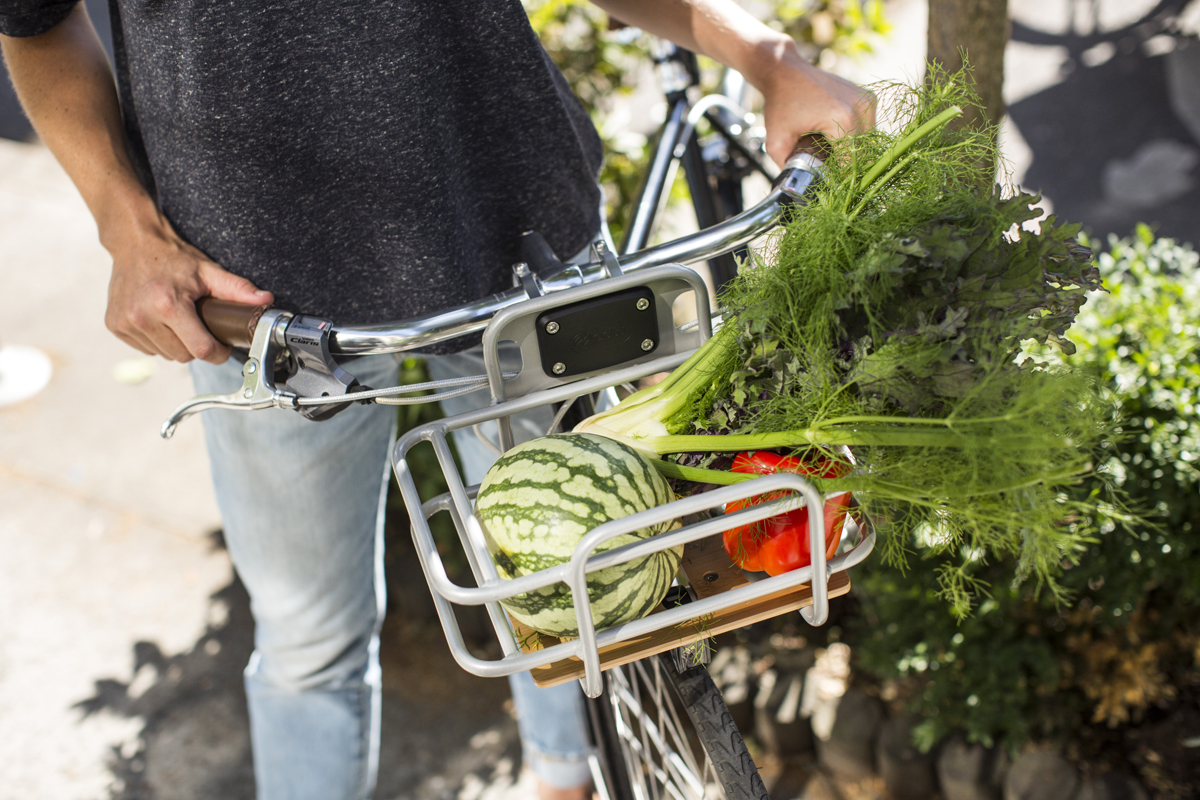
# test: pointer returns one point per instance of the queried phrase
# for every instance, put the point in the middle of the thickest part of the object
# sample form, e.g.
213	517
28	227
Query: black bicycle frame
712	204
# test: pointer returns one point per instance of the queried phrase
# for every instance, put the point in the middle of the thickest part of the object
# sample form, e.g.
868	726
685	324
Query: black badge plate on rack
598	333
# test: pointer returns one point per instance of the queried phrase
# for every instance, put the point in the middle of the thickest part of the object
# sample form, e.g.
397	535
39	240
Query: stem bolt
559	367
647	344
551	327
642	304
247	393
251	367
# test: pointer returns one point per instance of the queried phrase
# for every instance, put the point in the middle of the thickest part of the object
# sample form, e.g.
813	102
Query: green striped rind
618	594
543	496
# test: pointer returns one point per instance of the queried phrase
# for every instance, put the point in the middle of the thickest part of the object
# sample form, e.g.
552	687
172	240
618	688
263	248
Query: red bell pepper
780	544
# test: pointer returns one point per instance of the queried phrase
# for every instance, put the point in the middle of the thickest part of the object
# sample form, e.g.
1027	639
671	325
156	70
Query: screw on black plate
711	576
597	334
643	304
560	368
647	344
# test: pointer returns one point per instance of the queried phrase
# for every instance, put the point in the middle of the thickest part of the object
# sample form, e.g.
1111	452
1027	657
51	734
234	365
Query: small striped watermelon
541	497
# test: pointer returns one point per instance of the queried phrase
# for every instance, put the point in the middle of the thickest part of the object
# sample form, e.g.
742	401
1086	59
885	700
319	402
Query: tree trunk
978	28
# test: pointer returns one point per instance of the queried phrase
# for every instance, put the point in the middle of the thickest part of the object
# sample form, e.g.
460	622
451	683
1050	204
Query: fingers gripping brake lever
311	372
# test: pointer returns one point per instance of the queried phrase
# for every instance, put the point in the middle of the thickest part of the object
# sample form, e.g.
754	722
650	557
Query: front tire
664	733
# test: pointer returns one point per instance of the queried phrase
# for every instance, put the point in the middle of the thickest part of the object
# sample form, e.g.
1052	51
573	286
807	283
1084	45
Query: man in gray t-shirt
359	159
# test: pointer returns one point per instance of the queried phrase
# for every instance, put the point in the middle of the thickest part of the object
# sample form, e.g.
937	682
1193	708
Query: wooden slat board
710	572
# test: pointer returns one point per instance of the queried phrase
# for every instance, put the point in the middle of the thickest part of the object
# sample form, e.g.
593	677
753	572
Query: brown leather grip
813	143
230	323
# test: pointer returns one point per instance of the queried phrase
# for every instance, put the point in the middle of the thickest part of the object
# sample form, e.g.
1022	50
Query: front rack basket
722	598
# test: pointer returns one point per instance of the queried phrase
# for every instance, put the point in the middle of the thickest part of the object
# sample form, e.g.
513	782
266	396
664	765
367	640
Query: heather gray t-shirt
365	160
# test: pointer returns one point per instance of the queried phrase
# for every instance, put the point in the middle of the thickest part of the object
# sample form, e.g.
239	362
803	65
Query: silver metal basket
595	650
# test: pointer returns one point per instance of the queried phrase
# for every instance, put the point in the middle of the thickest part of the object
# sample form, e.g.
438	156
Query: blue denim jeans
302	504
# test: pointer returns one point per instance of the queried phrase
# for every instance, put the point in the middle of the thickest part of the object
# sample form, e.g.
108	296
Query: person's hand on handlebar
801	100
156	280
66	88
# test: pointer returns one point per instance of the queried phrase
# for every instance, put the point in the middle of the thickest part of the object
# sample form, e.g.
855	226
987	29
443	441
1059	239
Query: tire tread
719	735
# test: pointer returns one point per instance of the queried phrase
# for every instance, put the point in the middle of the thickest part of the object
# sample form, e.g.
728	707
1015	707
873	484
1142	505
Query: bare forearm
66	87
64	83
720	29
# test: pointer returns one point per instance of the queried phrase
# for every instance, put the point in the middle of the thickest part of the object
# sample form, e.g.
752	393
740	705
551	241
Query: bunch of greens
885	329
1022	668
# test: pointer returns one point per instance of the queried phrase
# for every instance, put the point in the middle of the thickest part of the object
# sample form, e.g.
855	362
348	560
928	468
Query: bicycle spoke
662	753
655	743
671	760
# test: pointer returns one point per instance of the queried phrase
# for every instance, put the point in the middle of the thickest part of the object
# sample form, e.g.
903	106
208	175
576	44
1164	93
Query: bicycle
659	724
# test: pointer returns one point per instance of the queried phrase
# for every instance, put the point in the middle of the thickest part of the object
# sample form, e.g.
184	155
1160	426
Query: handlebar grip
810	147
230	323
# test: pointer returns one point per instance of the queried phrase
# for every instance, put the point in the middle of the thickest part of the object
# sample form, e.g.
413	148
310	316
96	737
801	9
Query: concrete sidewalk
102	525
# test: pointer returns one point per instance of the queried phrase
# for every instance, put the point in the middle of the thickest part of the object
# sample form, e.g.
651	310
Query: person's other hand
801	100
156	280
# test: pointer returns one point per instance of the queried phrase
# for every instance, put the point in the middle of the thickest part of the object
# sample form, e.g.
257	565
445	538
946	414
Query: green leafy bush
839	27
1023	667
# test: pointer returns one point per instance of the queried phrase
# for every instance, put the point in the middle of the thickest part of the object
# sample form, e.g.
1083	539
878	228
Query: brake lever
258	373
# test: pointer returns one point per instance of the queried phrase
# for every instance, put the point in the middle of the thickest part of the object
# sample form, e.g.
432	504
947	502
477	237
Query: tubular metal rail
491	589
592	651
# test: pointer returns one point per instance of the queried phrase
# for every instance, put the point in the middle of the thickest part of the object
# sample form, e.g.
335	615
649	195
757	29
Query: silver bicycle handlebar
394	337
273	331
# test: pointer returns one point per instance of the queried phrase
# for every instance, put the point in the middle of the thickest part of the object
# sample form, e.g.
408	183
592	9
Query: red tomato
780	544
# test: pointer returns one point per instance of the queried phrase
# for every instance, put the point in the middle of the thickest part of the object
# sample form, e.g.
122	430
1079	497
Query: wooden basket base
710	572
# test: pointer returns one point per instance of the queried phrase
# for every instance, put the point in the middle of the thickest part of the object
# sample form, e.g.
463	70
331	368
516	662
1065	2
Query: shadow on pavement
195	742
1109	147
446	733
